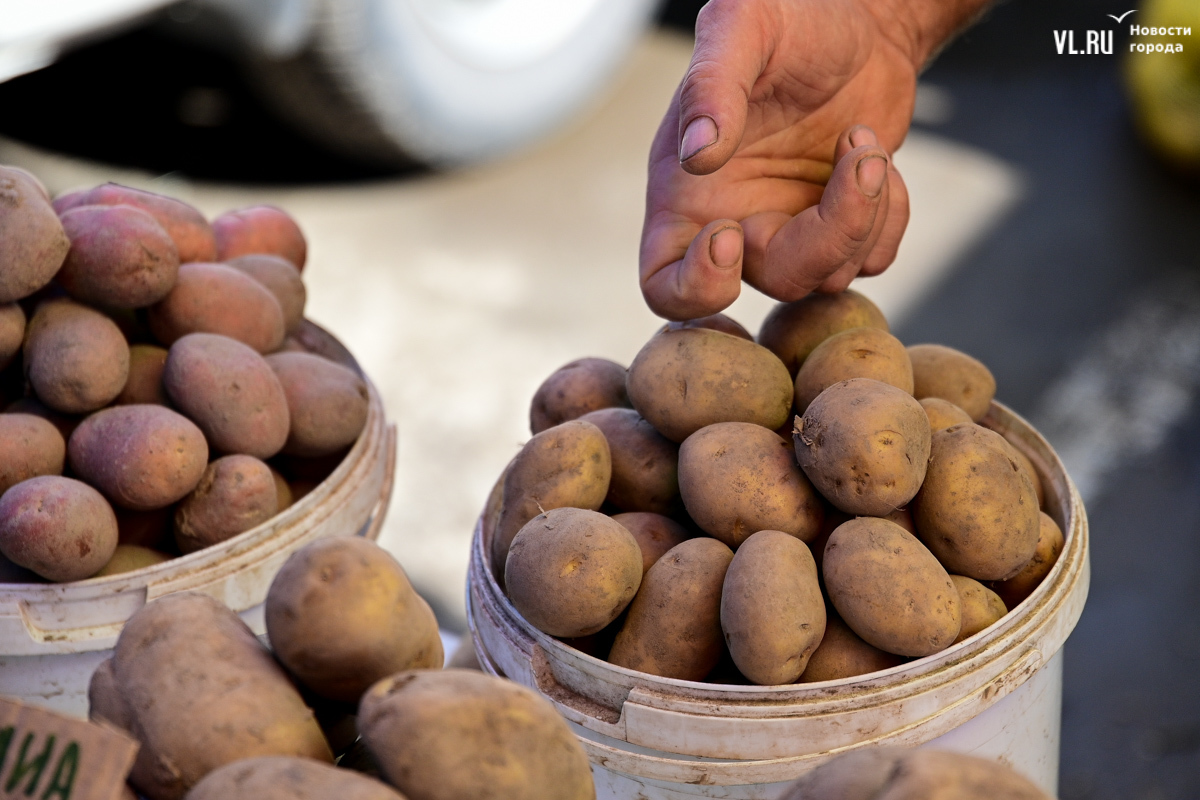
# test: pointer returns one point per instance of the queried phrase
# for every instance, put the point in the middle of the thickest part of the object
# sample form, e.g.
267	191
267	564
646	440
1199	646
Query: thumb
731	52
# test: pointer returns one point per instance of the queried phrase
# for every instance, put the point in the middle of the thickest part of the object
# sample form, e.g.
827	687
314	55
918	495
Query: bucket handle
572	705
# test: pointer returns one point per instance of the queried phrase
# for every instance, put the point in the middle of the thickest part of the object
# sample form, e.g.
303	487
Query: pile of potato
161	389
353	675
818	503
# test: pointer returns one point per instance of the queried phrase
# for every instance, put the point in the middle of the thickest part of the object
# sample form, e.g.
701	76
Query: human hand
773	163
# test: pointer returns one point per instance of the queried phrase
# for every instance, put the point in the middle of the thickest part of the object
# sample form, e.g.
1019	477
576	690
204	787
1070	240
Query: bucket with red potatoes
816	503
161	389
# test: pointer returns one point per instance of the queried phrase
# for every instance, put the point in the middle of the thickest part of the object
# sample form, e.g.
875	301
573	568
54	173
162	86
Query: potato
716	322
230	391
457	733
65	423
105	702
853	353
737	478
570	572
203	692
683	380
141	457
1028	468
843	654
153	529
187	227
1049	547
940	775
32	242
128	557
311	338
857	775
980	606
942	413
342	615
288	778
772	611
235	493
567	465
977	510
645	464
16	173
259	229
327	403
575	389
12	333
864	445
144	386
792	330
889	589
29	446
940	371
673	626
283	491
654	533
76	359
60	528
215	298
282	278
120	257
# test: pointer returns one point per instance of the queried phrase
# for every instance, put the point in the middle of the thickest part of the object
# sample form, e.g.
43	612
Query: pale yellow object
1165	87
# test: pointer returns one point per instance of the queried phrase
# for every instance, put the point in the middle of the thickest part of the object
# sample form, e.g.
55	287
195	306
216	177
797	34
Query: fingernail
725	247
699	134
861	136
872	171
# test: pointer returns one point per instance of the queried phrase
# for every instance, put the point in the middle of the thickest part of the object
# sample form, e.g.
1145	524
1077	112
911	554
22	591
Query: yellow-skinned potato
737	478
567	465
342	615
288	778
865	445
1028	468
772	611
792	330
1049	548
843	654
575	389
128	557
645	464
716	322
942	413
203	692
889	589
854	353
683	380
673	627
570	572
458	733
940	371
977	510
655	534
981	607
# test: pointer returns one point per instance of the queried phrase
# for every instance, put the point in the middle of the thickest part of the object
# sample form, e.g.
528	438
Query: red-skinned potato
76	359
187	227
575	389
12	332
259	229
235	493
145	382
60	528
327	403
32	242
216	298
120	257
29	446
282	278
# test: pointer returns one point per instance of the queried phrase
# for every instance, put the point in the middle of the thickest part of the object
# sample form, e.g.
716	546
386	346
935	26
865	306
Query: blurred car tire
447	82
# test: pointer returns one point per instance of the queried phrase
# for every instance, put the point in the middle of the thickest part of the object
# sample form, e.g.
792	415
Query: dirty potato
977	510
12	332
793	330
342	615
32	241
737	478
686	379
655	534
940	371
575	389
235	493
673	626
59	528
864	445
570	572
128	557
942	413
76	359
1049	547
853	353
327	403
216	298
458	733
259	229
567	465
144	384
772	611
282	278
645	464
29	446
288	778
843	654
981	607
120	257
889	589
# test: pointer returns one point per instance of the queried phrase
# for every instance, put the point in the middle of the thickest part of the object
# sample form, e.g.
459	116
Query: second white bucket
997	694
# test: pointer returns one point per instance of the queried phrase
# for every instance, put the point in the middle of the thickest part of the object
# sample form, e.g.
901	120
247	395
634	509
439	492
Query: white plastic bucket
996	694
52	636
